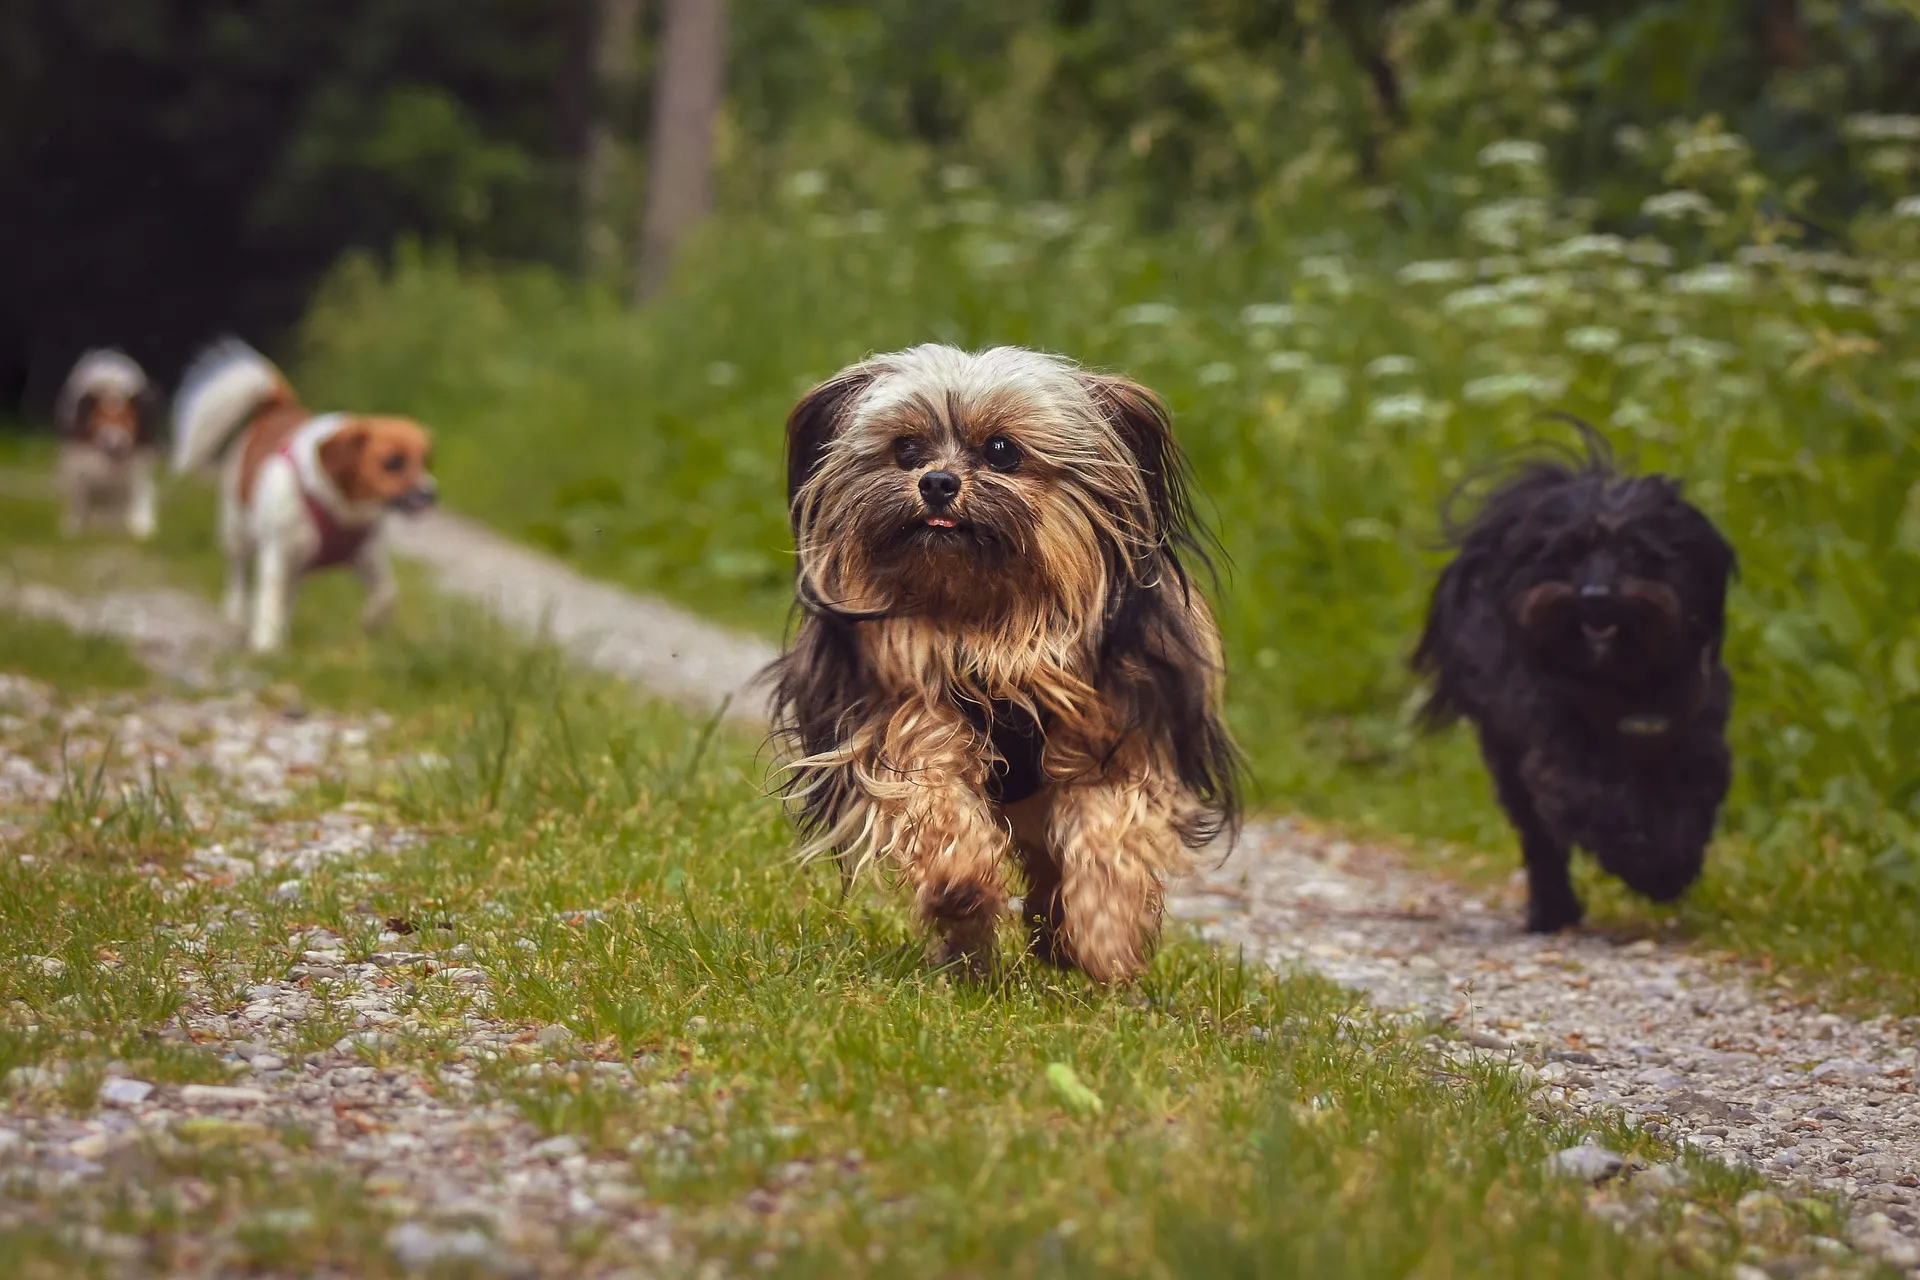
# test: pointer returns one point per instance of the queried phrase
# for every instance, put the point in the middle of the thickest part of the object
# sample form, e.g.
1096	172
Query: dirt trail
1684	1044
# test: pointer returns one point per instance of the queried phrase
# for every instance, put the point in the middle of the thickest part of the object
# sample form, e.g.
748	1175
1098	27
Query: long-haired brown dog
1001	651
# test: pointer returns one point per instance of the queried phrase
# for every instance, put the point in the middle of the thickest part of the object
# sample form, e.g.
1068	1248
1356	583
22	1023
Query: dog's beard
1629	634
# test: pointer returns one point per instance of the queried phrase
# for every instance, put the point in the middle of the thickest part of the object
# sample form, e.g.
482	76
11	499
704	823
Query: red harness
340	543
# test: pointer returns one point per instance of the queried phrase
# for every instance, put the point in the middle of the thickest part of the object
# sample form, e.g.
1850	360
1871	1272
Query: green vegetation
808	1097
1332	385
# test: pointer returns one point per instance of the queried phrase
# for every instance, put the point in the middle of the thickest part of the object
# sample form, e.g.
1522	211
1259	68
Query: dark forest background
170	169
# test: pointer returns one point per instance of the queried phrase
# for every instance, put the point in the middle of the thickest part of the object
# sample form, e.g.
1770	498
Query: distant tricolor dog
299	491
109	420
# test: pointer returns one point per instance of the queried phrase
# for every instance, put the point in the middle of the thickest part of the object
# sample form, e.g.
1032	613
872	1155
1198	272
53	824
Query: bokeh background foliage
1359	246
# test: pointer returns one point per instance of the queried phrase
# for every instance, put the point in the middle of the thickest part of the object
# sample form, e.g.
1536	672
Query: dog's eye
1001	453
908	453
395	463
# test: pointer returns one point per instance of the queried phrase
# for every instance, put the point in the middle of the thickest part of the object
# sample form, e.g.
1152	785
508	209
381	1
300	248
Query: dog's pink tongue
941	522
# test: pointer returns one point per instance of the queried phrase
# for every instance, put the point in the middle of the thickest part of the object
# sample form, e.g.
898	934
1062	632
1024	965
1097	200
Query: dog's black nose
938	488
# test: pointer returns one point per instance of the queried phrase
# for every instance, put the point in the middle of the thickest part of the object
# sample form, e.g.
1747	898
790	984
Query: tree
686	105
615	68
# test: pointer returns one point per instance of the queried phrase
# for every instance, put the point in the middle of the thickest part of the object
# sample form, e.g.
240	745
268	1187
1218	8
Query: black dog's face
1619	581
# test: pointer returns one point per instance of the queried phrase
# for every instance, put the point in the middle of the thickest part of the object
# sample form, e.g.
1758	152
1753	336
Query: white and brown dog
109	420
299	492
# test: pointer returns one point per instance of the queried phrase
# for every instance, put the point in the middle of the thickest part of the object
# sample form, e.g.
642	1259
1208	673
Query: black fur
1579	628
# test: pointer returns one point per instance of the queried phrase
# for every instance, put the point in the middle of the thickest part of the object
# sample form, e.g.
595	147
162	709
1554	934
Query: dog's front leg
271	596
375	571
140	500
1116	841
933	821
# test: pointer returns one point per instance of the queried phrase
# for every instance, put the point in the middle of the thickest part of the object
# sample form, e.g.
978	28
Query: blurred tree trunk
614	67
1361	25
1786	38
686	104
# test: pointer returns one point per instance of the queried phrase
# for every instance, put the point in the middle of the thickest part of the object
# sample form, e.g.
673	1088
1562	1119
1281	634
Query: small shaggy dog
109	420
299	491
1001	653
1579	629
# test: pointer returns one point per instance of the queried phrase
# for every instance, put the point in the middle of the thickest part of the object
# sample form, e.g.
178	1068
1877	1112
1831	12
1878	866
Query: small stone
1662	1078
117	1091
556	1148
1644	947
1847	1071
48	966
460	974
556	1036
1747	1271
419	1247
1487	1040
1587	1163
1760	1212
267	1062
288	890
222	1095
91	1147
1572	1055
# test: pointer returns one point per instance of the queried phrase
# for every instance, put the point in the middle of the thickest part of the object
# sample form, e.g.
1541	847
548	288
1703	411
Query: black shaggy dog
1579	629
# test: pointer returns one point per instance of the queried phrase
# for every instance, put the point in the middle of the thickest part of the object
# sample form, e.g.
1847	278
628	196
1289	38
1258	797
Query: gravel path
670	651
1686	1045
1682	1042
457	1180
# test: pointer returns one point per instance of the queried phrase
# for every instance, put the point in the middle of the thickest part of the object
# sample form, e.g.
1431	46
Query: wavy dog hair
1015	661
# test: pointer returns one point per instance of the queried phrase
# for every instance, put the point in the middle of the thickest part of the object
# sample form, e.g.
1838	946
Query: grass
1331	387
807	1097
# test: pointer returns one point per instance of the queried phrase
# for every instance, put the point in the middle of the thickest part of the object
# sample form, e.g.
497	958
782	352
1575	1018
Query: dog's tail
100	372
221	391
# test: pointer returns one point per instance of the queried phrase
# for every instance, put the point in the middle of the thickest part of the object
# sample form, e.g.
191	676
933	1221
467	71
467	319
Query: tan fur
1012	607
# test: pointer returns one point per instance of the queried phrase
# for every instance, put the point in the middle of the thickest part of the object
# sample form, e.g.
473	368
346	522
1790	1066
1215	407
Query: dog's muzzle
417	499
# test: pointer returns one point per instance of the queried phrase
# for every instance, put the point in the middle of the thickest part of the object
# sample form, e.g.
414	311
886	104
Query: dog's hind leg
376	574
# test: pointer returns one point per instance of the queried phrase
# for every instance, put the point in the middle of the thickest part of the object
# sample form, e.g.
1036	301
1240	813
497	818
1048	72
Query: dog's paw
1552	917
967	959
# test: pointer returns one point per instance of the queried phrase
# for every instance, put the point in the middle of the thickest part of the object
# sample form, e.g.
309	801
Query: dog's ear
815	421
1141	420
78	425
340	454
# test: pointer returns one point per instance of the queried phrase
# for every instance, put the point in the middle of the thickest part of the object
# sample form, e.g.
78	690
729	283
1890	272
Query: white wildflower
722	374
1908	208
1711	146
1638	354
1324	388
1219	371
1677	204
1289	362
1501	264
1263	315
1435	271
1908	371
959	177
1630	414
869	222
1873	126
1650	253
1049	220
1846	297
1713	279
1400	409
1150	313
1511	386
1520	315
1593	337
1505	224
807	184
994	254
1631	138
1518	152
1392	366
1701	353
1473	298
1586	248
